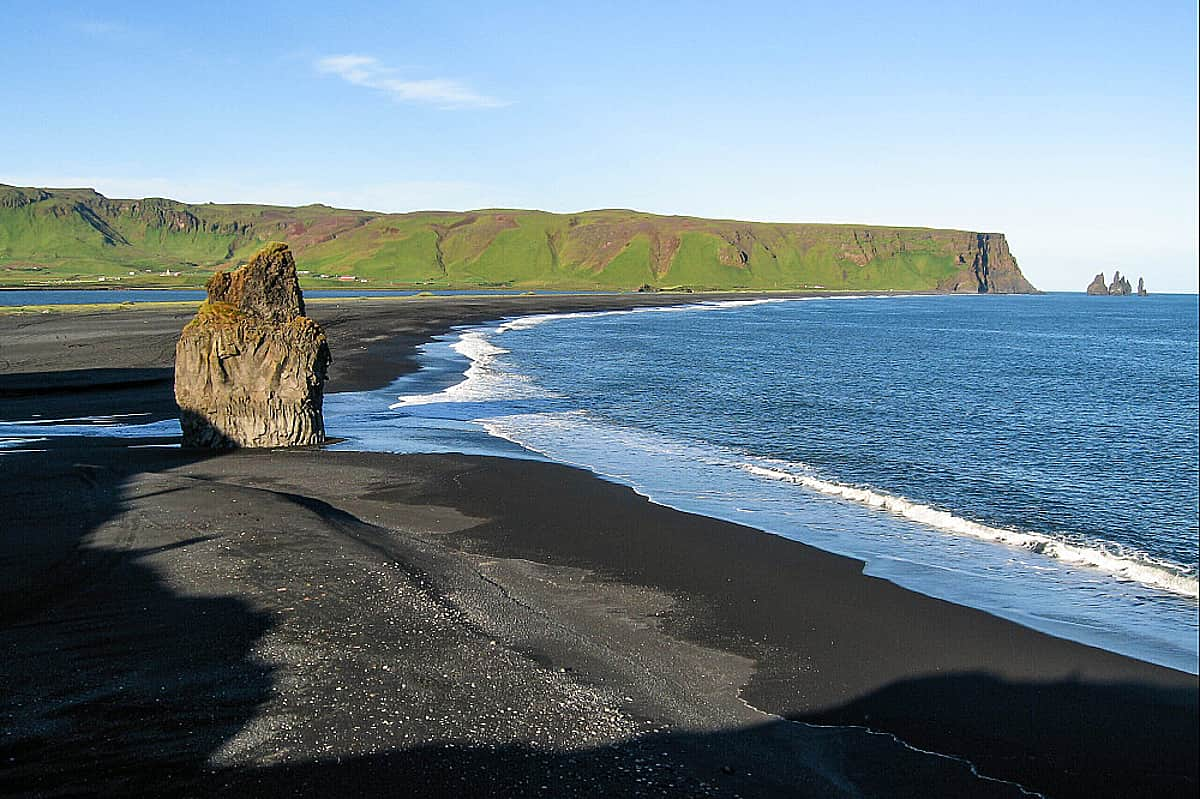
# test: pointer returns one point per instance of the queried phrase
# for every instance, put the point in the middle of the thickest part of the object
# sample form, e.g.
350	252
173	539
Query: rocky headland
51	236
987	266
250	367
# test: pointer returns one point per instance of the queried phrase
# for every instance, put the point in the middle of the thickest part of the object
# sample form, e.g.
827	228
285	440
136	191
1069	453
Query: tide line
1134	566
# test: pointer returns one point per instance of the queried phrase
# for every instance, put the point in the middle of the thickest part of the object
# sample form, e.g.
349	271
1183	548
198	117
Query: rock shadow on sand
112	679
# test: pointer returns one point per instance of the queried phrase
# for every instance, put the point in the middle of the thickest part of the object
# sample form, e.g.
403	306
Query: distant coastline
80	236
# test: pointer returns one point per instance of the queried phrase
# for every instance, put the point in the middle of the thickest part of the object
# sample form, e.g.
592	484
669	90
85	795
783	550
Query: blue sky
1072	129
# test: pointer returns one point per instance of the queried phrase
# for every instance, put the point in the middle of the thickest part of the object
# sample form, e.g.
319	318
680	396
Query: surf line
1141	569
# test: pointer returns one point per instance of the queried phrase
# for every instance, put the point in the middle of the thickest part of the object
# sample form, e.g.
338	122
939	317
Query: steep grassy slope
48	236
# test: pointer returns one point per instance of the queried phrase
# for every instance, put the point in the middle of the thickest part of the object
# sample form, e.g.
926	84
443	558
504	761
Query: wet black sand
333	623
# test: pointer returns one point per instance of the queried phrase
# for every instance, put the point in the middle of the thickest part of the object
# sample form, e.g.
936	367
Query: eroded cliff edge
988	267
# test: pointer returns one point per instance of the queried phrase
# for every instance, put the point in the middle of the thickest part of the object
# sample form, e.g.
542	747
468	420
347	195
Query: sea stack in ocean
1120	286
250	367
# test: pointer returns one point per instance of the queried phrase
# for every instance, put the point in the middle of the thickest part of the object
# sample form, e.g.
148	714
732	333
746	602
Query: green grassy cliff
77	236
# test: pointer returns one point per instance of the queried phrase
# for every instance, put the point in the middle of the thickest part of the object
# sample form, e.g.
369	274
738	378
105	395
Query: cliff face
250	367
988	267
80	234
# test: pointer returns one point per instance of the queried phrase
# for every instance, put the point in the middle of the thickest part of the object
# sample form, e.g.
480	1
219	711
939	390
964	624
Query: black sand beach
330	623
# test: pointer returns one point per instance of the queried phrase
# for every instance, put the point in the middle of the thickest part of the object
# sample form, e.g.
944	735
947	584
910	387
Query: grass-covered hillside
77	236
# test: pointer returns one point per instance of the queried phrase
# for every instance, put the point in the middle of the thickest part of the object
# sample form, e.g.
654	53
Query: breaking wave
1117	561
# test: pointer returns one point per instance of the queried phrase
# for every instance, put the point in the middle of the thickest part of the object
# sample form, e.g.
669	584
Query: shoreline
1164	580
940	676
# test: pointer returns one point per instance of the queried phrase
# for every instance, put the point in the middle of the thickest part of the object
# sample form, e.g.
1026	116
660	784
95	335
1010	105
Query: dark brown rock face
266	287
988	268
1141	292
1098	287
250	367
1120	286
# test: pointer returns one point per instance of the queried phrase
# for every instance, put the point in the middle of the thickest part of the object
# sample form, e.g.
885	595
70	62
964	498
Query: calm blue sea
1033	456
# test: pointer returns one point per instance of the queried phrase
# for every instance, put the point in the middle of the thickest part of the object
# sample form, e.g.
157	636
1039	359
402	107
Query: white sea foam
20	444
481	381
1124	564
526	322
533	320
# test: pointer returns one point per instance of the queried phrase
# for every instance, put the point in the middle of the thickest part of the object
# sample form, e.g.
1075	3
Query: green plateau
80	238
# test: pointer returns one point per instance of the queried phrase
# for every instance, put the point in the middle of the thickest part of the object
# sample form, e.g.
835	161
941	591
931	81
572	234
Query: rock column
250	367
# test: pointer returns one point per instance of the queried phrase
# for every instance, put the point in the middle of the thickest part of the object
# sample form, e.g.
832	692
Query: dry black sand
331	623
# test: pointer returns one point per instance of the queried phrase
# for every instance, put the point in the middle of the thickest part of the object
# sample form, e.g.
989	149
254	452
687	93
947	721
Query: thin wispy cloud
362	70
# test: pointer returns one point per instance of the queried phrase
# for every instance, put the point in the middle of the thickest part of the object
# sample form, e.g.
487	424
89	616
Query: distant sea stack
1120	286
250	367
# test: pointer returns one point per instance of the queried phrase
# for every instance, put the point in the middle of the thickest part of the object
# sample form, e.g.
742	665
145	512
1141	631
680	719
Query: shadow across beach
1077	737
112	679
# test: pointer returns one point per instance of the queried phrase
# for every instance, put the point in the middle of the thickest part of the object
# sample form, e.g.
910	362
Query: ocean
1031	456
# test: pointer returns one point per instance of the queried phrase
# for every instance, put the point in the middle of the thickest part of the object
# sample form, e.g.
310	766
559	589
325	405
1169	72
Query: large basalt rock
1141	292
1098	287
250	367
